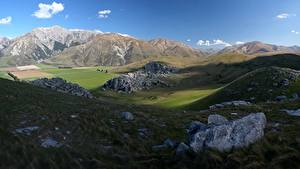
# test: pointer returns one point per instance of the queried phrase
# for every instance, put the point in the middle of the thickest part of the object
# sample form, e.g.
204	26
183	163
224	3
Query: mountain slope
115	49
43	43
256	48
4	42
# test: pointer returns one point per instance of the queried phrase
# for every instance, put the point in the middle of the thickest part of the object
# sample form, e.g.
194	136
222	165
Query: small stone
281	98
27	130
127	116
292	112
49	142
73	116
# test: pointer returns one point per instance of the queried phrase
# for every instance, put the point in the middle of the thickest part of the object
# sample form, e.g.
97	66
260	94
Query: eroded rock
63	86
148	77
232	134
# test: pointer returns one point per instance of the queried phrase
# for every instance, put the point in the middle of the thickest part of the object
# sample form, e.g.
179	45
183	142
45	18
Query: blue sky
196	22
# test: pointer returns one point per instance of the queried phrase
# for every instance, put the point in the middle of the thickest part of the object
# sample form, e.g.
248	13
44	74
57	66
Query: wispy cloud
6	20
188	40
46	11
213	43
104	13
285	15
295	32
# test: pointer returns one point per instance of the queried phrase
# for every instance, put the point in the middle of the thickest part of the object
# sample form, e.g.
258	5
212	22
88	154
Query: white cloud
285	15
203	43
295	32
216	42
6	20
221	42
188	40
67	16
239	43
104	13
46	11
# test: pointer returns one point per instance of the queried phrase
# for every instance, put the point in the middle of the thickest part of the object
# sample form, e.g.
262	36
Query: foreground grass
99	138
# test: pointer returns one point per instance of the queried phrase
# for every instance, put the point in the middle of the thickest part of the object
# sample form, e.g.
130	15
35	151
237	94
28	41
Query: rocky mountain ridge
257	47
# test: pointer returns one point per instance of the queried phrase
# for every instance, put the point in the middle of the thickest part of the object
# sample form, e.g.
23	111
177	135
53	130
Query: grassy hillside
98	138
261	85
174	98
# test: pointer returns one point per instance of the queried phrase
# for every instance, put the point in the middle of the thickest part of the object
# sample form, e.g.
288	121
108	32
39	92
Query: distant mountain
257	48
209	51
4	42
117	49
174	48
42	43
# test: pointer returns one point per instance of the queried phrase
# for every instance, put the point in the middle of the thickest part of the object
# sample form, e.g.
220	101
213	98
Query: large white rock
233	134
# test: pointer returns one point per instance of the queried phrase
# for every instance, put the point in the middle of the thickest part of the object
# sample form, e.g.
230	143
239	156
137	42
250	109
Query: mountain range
256	48
58	45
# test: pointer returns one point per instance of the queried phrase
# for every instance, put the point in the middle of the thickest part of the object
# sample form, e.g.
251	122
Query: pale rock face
233	134
4	42
42	43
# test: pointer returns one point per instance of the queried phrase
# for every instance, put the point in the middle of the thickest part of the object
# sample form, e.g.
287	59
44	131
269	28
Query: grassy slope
165	98
97	136
88	78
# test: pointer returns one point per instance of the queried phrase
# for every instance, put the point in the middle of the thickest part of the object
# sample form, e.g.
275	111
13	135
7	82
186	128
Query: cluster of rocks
151	75
61	85
230	103
283	76
220	134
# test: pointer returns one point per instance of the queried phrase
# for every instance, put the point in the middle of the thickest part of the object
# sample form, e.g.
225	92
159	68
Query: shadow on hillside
221	73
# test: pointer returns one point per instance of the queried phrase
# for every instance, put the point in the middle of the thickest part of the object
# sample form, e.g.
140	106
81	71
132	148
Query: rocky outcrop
232	134
230	103
151	75
61	85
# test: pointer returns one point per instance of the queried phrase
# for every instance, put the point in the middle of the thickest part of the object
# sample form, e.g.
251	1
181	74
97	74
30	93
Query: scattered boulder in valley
61	85
230	134
151	75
